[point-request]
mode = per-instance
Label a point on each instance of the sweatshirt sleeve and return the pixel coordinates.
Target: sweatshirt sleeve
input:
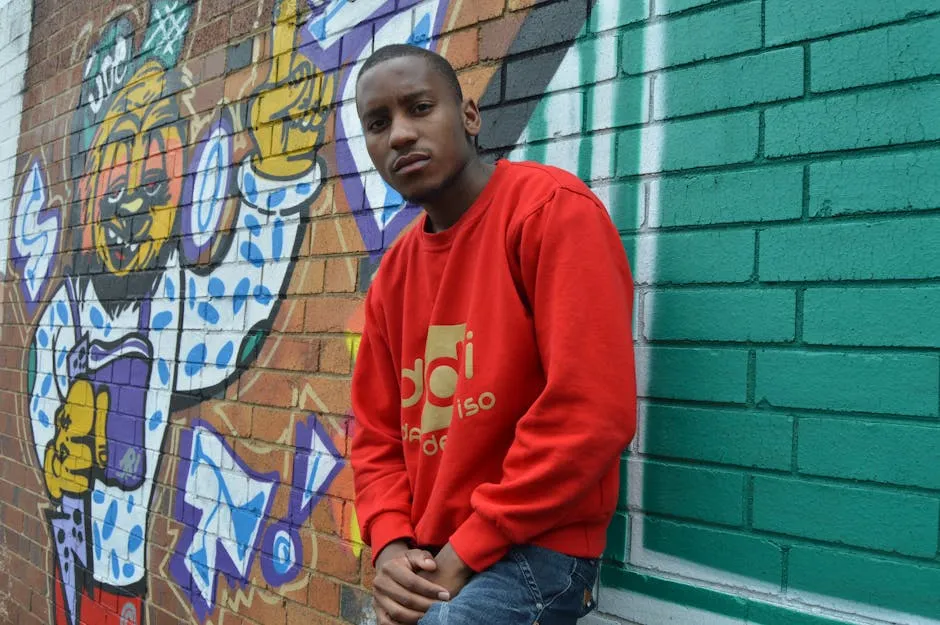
(383, 491)
(575, 275)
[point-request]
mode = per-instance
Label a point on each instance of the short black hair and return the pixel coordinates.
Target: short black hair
(435, 60)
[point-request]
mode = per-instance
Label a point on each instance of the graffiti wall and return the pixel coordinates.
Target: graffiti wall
(189, 221)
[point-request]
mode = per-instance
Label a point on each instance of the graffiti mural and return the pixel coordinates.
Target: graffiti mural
(177, 256)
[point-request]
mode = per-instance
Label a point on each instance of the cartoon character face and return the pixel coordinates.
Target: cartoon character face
(133, 182)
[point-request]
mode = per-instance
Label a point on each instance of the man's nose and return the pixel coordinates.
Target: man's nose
(402, 134)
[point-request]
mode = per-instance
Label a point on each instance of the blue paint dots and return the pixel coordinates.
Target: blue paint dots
(97, 319)
(169, 289)
(110, 518)
(43, 419)
(240, 294)
(277, 239)
(195, 360)
(128, 569)
(192, 293)
(208, 312)
(276, 198)
(262, 294)
(130, 504)
(162, 320)
(96, 532)
(163, 370)
(63, 311)
(253, 225)
(35, 403)
(60, 360)
(42, 337)
(46, 385)
(252, 253)
(107, 329)
(216, 288)
(304, 188)
(251, 188)
(115, 570)
(225, 355)
(136, 539)
(98, 496)
(155, 420)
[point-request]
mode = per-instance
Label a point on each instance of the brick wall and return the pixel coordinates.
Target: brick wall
(769, 163)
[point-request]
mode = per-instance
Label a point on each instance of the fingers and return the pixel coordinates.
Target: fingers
(285, 28)
(401, 572)
(381, 616)
(396, 612)
(396, 594)
(421, 560)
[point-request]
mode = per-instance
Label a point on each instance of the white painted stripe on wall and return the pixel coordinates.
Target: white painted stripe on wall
(16, 18)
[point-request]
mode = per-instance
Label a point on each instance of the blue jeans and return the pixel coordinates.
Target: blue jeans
(530, 585)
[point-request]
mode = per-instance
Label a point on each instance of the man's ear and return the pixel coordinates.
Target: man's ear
(472, 121)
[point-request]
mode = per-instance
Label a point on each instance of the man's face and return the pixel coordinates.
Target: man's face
(415, 129)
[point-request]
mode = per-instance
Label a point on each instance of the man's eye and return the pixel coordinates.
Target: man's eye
(422, 107)
(377, 125)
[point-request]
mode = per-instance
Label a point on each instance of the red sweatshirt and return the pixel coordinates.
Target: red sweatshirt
(494, 388)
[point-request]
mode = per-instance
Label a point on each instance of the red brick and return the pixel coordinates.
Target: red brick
(209, 37)
(270, 424)
(323, 595)
(308, 277)
(290, 353)
(243, 21)
(290, 317)
(236, 414)
(335, 356)
(208, 95)
(340, 275)
(476, 11)
(329, 314)
(268, 388)
(334, 392)
(335, 235)
(497, 36)
(302, 615)
(267, 608)
(336, 559)
(462, 48)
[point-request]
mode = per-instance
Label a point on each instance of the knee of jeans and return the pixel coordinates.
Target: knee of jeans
(435, 615)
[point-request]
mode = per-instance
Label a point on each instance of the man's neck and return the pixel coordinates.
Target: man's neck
(453, 201)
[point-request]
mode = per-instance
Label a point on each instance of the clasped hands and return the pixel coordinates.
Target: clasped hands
(409, 581)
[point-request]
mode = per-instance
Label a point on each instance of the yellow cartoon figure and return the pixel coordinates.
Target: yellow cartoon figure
(79, 443)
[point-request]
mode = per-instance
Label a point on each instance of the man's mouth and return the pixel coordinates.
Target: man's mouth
(410, 163)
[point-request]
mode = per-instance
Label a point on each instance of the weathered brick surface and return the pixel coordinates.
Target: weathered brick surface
(771, 168)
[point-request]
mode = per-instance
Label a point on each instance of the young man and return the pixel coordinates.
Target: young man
(494, 387)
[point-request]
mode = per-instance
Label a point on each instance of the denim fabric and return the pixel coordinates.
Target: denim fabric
(530, 585)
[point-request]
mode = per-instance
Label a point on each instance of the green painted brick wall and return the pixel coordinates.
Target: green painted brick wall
(773, 169)
(765, 194)
(863, 517)
(712, 495)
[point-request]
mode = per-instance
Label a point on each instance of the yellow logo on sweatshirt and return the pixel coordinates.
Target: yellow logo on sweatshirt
(435, 379)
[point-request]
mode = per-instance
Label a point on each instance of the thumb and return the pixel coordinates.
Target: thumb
(419, 559)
